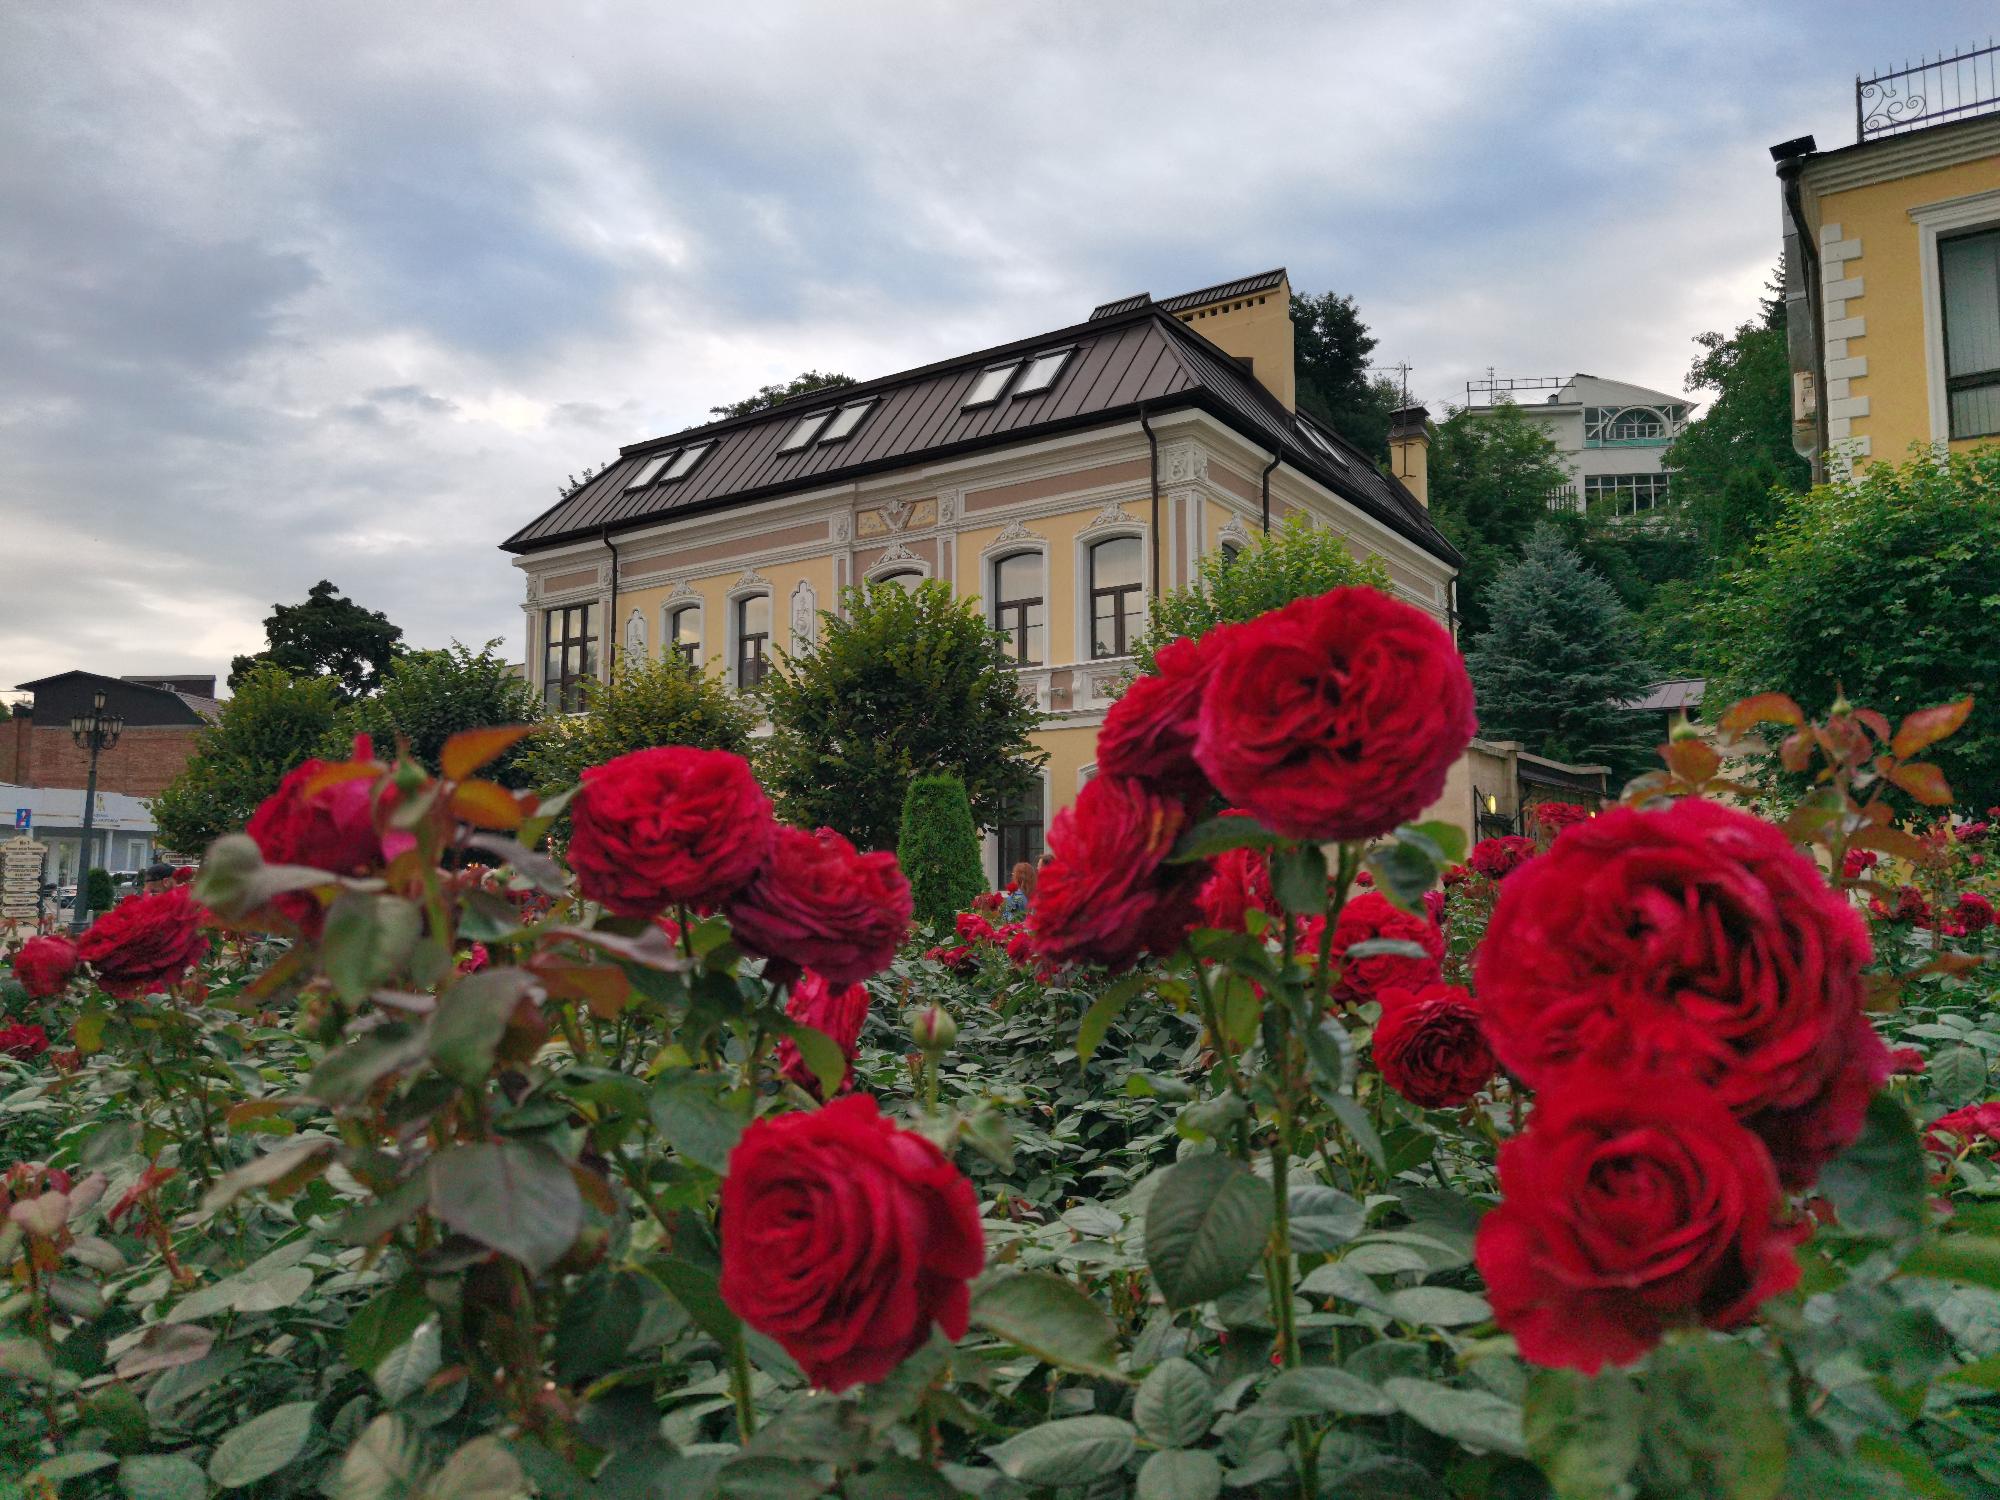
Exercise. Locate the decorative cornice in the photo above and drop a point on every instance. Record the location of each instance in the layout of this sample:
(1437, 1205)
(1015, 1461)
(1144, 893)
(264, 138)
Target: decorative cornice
(1016, 531)
(751, 579)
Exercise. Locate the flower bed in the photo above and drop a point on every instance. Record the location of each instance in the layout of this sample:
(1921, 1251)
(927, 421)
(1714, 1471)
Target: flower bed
(1289, 1148)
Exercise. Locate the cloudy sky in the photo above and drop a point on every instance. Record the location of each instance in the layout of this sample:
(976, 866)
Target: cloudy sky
(291, 292)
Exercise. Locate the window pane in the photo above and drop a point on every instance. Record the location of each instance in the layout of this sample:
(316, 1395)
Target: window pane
(1042, 372)
(845, 421)
(1034, 634)
(689, 457)
(806, 429)
(753, 615)
(1970, 270)
(907, 581)
(1115, 562)
(648, 472)
(1018, 577)
(687, 630)
(1103, 629)
(990, 384)
(585, 620)
(1975, 412)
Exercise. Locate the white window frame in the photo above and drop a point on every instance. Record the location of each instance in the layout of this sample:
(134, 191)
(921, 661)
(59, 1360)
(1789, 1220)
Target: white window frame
(1934, 220)
(1059, 356)
(805, 431)
(1005, 369)
(1080, 564)
(648, 472)
(990, 559)
(669, 614)
(732, 627)
(860, 410)
(685, 462)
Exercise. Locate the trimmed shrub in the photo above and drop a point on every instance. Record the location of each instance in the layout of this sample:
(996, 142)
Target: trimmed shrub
(939, 849)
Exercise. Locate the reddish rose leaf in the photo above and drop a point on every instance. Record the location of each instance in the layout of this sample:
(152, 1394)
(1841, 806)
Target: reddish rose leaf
(1929, 725)
(1795, 754)
(1764, 708)
(1876, 724)
(1925, 782)
(1694, 761)
(486, 804)
(469, 749)
(1892, 841)
(339, 772)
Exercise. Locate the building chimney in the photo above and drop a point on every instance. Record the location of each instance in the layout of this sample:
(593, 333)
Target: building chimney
(1410, 451)
(1249, 319)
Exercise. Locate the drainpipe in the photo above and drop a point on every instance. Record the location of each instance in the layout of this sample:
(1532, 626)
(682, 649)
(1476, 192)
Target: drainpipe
(611, 636)
(1264, 483)
(1789, 169)
(1153, 448)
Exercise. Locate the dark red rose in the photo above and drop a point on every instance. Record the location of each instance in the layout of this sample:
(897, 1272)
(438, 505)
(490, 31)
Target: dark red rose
(837, 1012)
(1855, 861)
(1554, 817)
(1975, 912)
(1949, 1134)
(324, 817)
(1239, 882)
(960, 958)
(44, 965)
(1149, 733)
(672, 824)
(846, 1239)
(1373, 917)
(1336, 717)
(818, 904)
(1106, 895)
(1434, 907)
(1911, 906)
(145, 943)
(23, 1042)
(1632, 1204)
(1693, 938)
(1906, 1062)
(1496, 859)
(1429, 1046)
(973, 928)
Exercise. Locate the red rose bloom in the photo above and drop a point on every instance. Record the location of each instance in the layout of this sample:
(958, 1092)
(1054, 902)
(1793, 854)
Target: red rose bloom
(672, 824)
(1905, 1062)
(1336, 717)
(1149, 733)
(845, 1239)
(973, 928)
(1429, 1046)
(44, 965)
(145, 943)
(332, 829)
(1911, 906)
(1239, 882)
(1434, 907)
(1952, 1133)
(1975, 912)
(1629, 1206)
(1106, 895)
(1694, 938)
(1498, 858)
(821, 905)
(839, 1013)
(1854, 861)
(22, 1042)
(1554, 817)
(959, 958)
(1373, 917)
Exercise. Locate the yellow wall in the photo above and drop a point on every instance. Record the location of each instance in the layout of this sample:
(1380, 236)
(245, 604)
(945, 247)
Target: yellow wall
(1070, 750)
(1897, 384)
(1257, 328)
(714, 592)
(1058, 536)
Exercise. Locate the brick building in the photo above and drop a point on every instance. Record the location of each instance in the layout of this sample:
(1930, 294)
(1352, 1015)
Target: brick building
(164, 716)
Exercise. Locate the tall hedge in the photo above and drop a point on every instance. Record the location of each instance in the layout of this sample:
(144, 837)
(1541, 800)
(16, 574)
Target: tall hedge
(939, 849)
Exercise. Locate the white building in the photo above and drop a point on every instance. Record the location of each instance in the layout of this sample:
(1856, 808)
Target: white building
(122, 833)
(1613, 437)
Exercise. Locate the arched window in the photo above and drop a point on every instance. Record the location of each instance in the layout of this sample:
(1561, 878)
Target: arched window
(1230, 552)
(684, 632)
(1635, 424)
(753, 639)
(1117, 595)
(1020, 605)
(906, 579)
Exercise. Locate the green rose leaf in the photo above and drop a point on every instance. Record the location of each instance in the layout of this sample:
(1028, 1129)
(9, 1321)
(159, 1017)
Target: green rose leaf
(516, 1197)
(1175, 1404)
(1205, 1228)
(1066, 1452)
(1051, 1319)
(262, 1446)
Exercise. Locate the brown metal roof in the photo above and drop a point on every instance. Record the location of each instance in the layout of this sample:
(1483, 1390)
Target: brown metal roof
(1223, 291)
(1143, 359)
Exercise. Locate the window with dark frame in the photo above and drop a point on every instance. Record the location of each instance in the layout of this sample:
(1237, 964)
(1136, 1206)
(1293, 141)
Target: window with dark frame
(991, 384)
(1969, 276)
(569, 655)
(1020, 606)
(1019, 835)
(909, 580)
(684, 633)
(753, 639)
(1117, 595)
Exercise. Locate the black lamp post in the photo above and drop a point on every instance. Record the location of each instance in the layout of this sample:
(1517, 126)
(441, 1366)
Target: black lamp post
(93, 732)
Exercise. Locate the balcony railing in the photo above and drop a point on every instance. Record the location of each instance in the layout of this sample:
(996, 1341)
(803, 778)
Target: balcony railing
(1932, 92)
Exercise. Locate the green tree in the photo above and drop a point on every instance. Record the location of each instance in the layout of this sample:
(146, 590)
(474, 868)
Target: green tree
(272, 722)
(666, 702)
(1294, 562)
(1330, 350)
(1491, 472)
(1886, 586)
(1557, 658)
(907, 684)
(98, 890)
(428, 696)
(939, 849)
(771, 395)
(328, 635)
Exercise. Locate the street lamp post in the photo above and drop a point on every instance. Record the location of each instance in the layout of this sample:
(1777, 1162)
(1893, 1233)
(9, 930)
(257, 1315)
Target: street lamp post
(93, 732)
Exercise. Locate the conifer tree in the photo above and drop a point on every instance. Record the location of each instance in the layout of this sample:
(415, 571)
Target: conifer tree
(939, 849)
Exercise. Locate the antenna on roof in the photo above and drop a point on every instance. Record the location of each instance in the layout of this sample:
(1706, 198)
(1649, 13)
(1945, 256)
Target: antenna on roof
(1401, 370)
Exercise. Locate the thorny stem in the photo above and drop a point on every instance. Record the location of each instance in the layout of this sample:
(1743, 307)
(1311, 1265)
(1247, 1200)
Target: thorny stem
(739, 1387)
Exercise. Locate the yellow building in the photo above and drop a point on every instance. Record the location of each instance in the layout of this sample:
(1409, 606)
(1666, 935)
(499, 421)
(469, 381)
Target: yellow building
(1892, 268)
(1064, 480)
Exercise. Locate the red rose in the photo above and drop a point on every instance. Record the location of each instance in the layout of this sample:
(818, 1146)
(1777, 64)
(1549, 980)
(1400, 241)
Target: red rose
(1106, 894)
(23, 1042)
(1373, 917)
(1952, 1133)
(1498, 858)
(973, 928)
(330, 827)
(44, 965)
(1149, 733)
(1239, 881)
(1855, 861)
(1335, 717)
(1434, 907)
(1694, 938)
(1632, 1204)
(845, 1239)
(1554, 817)
(839, 1013)
(959, 958)
(145, 943)
(1975, 912)
(1429, 1046)
(1906, 1062)
(820, 905)
(673, 824)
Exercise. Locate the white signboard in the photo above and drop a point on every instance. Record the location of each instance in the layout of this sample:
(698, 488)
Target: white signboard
(21, 879)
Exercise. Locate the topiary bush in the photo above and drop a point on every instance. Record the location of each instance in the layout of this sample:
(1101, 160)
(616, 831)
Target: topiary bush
(98, 890)
(939, 849)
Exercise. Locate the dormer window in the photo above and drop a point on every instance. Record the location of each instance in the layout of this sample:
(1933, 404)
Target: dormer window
(686, 459)
(648, 471)
(1323, 444)
(845, 421)
(992, 382)
(1042, 371)
(803, 432)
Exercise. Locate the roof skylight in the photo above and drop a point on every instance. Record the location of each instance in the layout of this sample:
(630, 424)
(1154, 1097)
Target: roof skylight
(846, 420)
(686, 459)
(1320, 442)
(804, 431)
(648, 471)
(991, 382)
(1042, 371)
